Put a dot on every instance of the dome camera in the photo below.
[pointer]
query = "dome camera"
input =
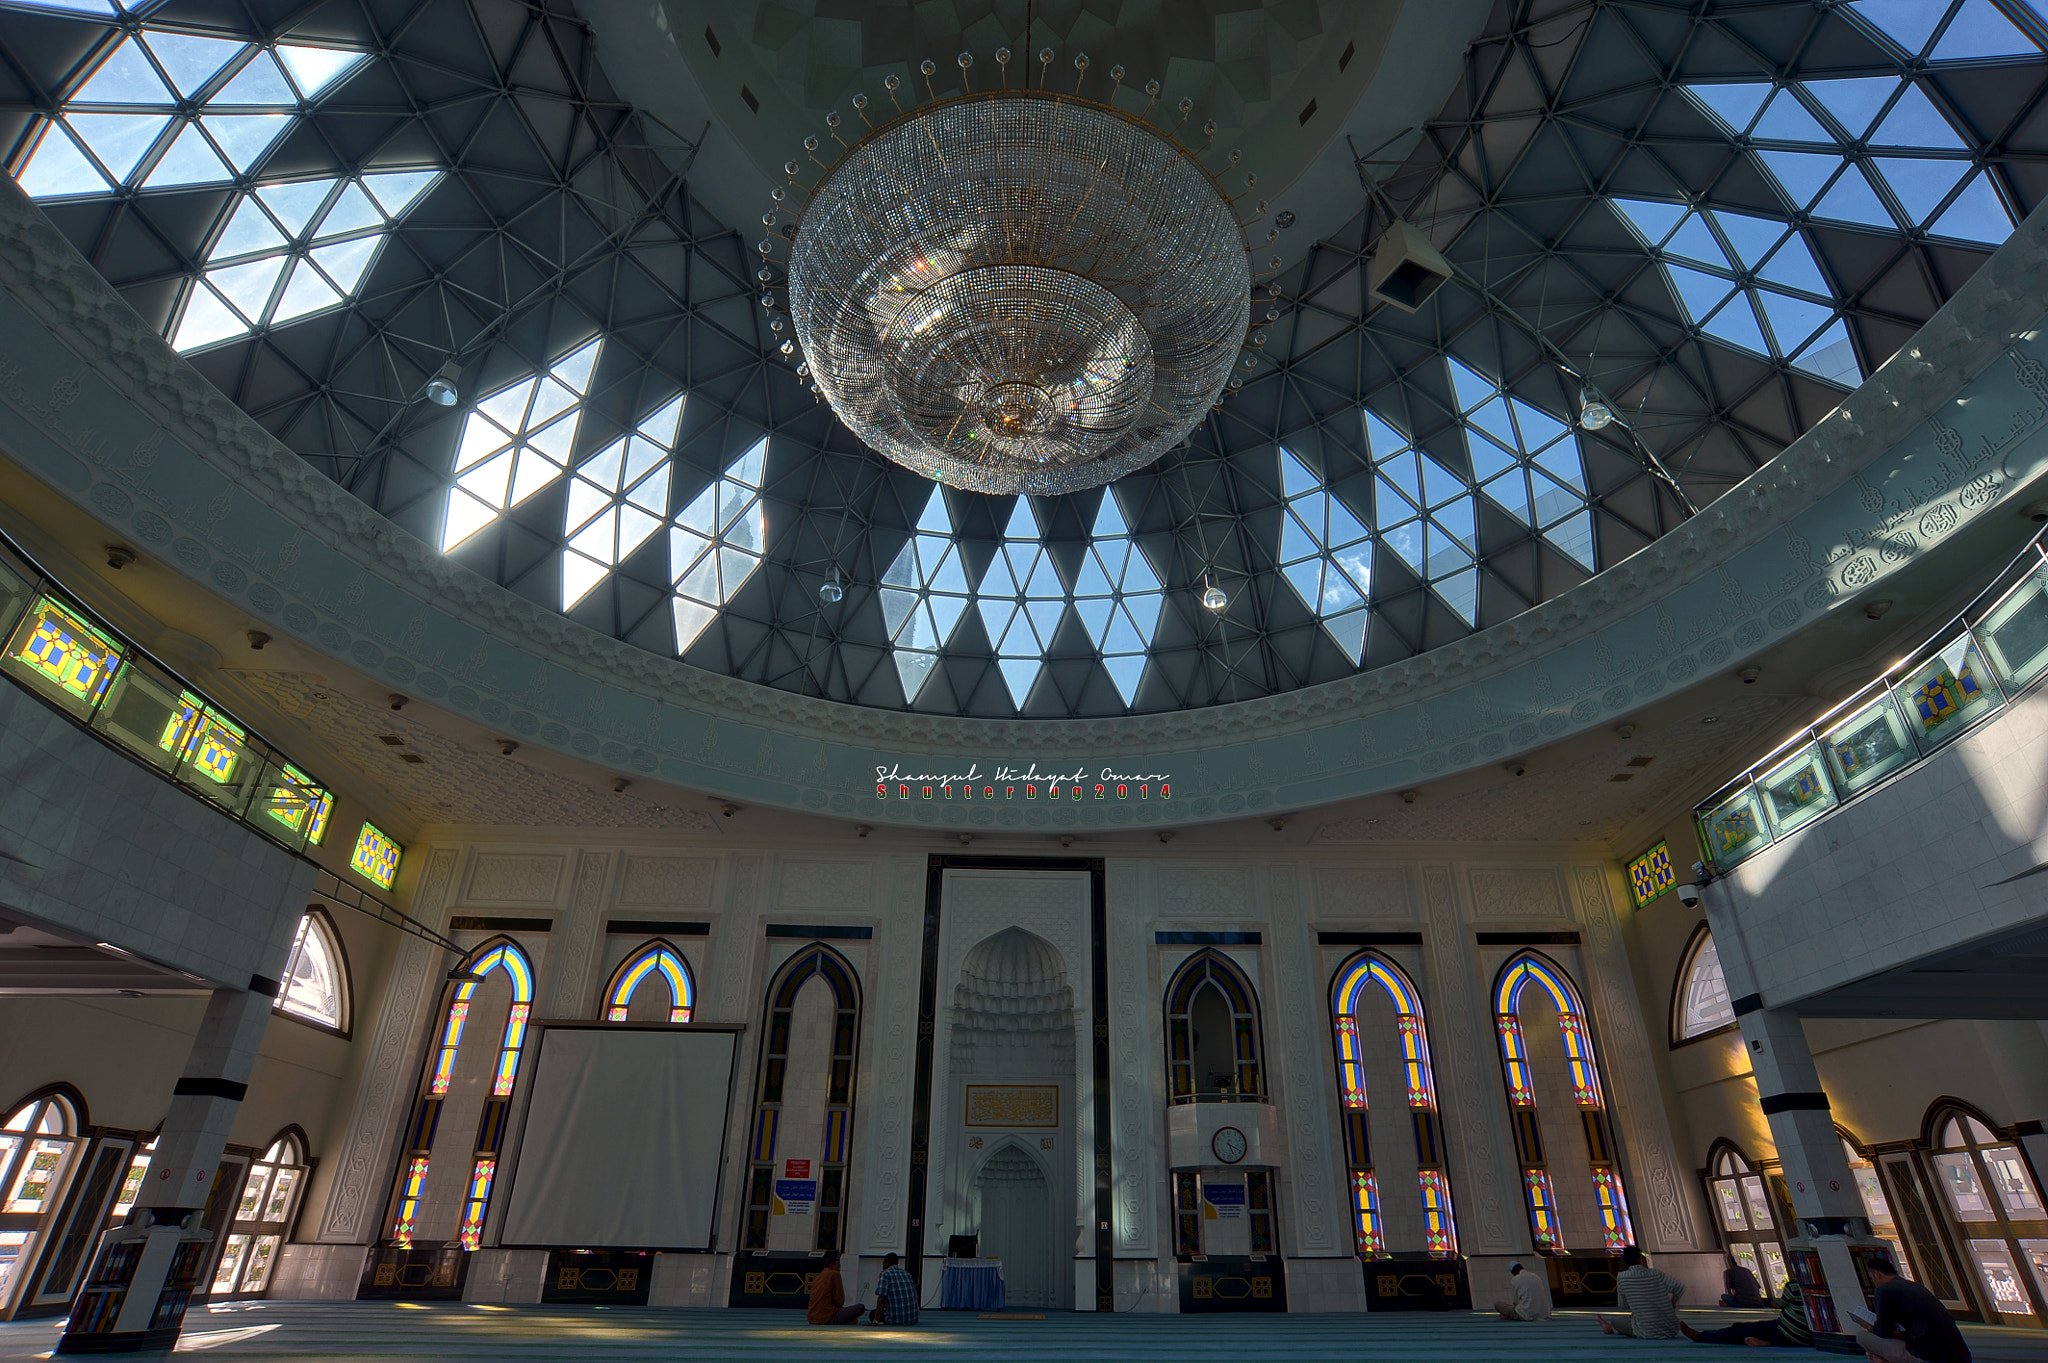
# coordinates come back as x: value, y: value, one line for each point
x: 1689, y: 895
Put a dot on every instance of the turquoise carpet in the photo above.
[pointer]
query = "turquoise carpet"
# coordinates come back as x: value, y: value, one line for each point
x: 381, y: 1330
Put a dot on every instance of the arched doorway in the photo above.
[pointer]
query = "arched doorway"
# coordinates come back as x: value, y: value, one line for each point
x: 1015, y: 1204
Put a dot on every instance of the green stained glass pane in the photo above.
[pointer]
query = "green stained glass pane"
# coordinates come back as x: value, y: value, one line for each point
x: 1797, y: 789
x: 1947, y: 693
x: 1735, y: 828
x: 63, y: 657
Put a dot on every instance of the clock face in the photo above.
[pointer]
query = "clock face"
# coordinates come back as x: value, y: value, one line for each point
x: 1228, y: 1145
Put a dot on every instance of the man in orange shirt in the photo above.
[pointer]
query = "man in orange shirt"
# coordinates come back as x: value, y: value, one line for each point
x: 828, y: 1297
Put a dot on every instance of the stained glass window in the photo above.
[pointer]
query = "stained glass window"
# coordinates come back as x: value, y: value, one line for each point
x: 299, y: 804
x: 37, y: 1145
x: 1651, y: 874
x: 652, y: 961
x: 1021, y: 600
x: 66, y: 658
x: 515, y: 442
x: 1703, y: 1002
x: 314, y: 987
x: 716, y: 542
x: 376, y: 857
x: 617, y: 500
x: 924, y: 594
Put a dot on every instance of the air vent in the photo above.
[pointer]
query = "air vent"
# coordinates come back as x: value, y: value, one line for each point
x: 412, y: 757
x: 711, y: 41
x: 748, y: 96
x: 1641, y: 761
x: 1350, y: 51
x: 1623, y: 776
x: 391, y: 740
x: 1308, y: 113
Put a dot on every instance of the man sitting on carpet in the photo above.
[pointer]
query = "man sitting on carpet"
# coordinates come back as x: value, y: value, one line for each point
x: 828, y: 1297
x: 1530, y: 1299
x: 895, y: 1295
x: 1788, y: 1331
x: 1651, y: 1296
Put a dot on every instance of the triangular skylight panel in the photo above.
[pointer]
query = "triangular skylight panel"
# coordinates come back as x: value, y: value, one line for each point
x: 1735, y: 104
x: 1325, y: 553
x: 1020, y: 600
x: 924, y: 594
x: 498, y: 462
x: 716, y: 542
x: 617, y: 499
x: 1118, y: 598
x: 1978, y: 30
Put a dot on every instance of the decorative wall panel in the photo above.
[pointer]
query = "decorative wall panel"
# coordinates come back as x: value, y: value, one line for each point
x: 668, y: 882
x: 1307, y: 1100
x: 515, y: 877
x: 1489, y: 1205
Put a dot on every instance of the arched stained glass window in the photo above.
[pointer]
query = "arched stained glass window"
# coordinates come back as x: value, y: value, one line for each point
x: 924, y: 594
x: 515, y: 442
x: 1212, y: 1032
x: 617, y: 501
x: 315, y: 987
x: 716, y: 543
x: 1021, y: 600
x: 656, y: 960
x: 417, y: 1164
x: 1366, y: 983
x: 795, y: 1128
x: 1581, y: 1065
x: 1701, y: 1004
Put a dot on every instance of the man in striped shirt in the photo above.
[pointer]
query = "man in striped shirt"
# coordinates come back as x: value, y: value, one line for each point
x: 1788, y: 1331
x: 1651, y: 1296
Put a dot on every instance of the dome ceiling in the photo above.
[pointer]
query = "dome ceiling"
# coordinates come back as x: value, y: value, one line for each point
x: 1715, y: 223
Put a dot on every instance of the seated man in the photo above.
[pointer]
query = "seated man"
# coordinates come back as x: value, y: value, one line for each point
x: 895, y: 1295
x: 1912, y: 1325
x: 828, y: 1296
x: 1788, y: 1331
x: 1742, y: 1287
x: 1651, y: 1296
x: 1530, y: 1299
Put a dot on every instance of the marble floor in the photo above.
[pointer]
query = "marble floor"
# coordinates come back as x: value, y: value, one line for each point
x: 379, y: 1330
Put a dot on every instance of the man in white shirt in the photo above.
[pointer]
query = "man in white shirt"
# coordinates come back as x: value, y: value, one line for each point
x: 1530, y: 1296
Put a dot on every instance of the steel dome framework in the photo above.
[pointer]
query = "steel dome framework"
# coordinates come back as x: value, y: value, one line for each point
x: 1713, y: 220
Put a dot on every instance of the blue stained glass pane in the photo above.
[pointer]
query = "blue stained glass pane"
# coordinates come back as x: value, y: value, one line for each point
x: 1920, y: 185
x: 1801, y: 173
x: 1653, y: 221
x: 1792, y: 319
x: 1384, y: 440
x: 58, y: 167
x: 1854, y: 101
x: 1752, y: 238
x: 1915, y: 122
x: 1701, y: 291
x: 1793, y: 266
x: 1909, y: 23
x: 1295, y: 478
x: 260, y: 82
x: 1787, y: 120
x: 1734, y: 105
x: 191, y: 60
x: 1470, y: 388
x: 1851, y: 199
x: 1695, y: 241
x: 119, y: 140
x: 1981, y: 31
x: 1976, y: 215
x: 1736, y: 324
x: 125, y: 77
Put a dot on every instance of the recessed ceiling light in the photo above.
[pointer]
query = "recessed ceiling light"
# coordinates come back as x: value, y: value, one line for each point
x: 1710, y: 719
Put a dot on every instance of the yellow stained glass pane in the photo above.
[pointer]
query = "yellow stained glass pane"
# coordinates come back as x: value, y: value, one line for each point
x: 57, y: 648
x: 376, y: 857
x: 1651, y: 874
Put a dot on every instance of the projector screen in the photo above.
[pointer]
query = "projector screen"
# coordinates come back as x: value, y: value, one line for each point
x: 624, y: 1137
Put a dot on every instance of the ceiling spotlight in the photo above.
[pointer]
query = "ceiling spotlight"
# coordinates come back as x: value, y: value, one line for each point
x: 1877, y: 610
x: 1409, y: 797
x: 965, y: 838
x: 396, y: 701
x: 1593, y: 413
x: 830, y: 593
x: 619, y: 784
x: 1166, y: 835
x: 1213, y: 596
x: 441, y: 389
x: 862, y: 830
x: 120, y: 556
x: 507, y: 746
x: 728, y: 809
x: 257, y: 638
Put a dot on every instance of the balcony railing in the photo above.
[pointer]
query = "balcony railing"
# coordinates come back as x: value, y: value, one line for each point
x: 1970, y: 670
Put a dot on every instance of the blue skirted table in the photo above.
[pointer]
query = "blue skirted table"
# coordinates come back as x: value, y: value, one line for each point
x: 971, y: 1285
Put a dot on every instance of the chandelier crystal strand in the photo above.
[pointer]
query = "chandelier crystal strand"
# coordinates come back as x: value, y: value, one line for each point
x: 1015, y: 289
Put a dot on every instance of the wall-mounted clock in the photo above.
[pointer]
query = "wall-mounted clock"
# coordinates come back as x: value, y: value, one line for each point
x: 1229, y: 1144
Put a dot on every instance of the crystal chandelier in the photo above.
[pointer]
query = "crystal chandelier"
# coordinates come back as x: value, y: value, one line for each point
x: 1017, y: 289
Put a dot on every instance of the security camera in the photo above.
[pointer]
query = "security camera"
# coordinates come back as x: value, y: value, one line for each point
x: 1689, y: 895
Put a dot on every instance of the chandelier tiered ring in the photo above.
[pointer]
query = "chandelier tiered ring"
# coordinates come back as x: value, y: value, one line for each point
x: 1020, y: 291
